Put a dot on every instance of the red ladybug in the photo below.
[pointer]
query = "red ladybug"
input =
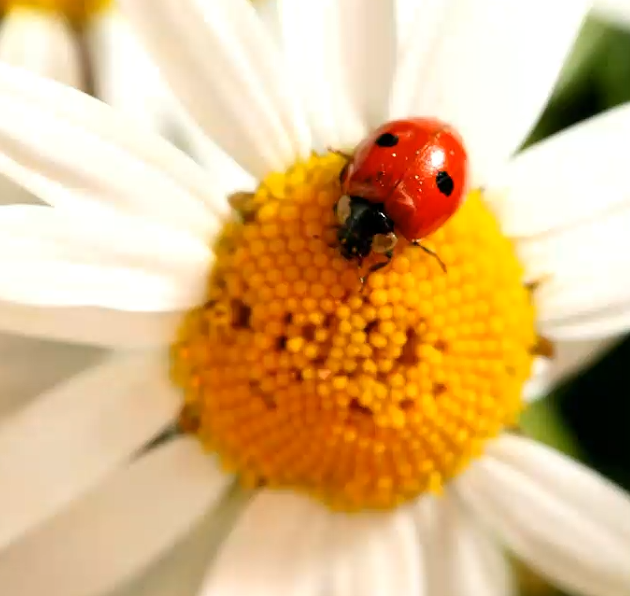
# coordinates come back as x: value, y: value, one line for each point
x: 408, y: 177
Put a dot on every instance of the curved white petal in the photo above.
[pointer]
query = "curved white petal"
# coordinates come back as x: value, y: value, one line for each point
x: 604, y: 325
x: 120, y: 528
x: 406, y: 11
x: 221, y: 63
x: 75, y: 152
x: 42, y: 42
x: 218, y: 165
x: 342, y: 56
x: 181, y: 571
x: 21, y: 381
x: 376, y: 554
x: 123, y: 75
x: 268, y: 13
x: 615, y: 11
x: 461, y: 559
x: 61, y: 258
x: 126, y: 79
x: 50, y: 282
x: 583, y: 267
x: 279, y: 540
x: 91, y: 326
x: 64, y: 443
x: 570, y: 357
x: 565, y: 179
x: 487, y: 67
x: 566, y: 522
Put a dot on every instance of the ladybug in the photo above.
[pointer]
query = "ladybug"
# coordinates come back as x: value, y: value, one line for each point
x: 408, y: 178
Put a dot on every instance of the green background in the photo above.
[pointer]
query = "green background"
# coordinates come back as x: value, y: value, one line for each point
x: 588, y: 416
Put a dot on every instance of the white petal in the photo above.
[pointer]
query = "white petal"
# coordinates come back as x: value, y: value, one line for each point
x: 476, y: 73
x: 342, y: 55
x: 406, y: 12
x: 64, y: 443
x: 60, y: 258
x: 21, y: 381
x: 124, y: 77
x: 570, y: 357
x: 567, y: 178
x: 565, y: 521
x: 579, y: 279
x: 268, y: 12
x: 615, y: 11
x: 42, y: 42
x: 74, y: 151
x: 48, y: 282
x: 229, y: 176
x: 460, y: 558
x: 120, y: 528
x: 606, y: 324
x: 376, y: 554
x: 181, y: 571
x: 91, y: 326
x: 279, y: 541
x: 221, y: 63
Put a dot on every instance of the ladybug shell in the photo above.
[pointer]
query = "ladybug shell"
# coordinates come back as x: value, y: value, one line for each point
x: 400, y: 165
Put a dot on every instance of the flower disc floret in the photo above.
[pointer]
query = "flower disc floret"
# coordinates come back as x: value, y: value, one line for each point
x: 299, y: 377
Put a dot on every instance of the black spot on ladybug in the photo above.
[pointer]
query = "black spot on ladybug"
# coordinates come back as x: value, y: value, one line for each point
x: 379, y: 176
x: 387, y: 139
x: 444, y: 183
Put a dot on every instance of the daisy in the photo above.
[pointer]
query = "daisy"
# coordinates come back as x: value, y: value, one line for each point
x: 341, y: 439
x: 88, y: 45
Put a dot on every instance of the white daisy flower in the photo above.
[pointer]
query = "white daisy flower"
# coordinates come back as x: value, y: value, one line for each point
x: 88, y: 45
x: 370, y: 425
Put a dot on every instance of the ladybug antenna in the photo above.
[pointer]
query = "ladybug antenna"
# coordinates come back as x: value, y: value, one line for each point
x: 430, y: 252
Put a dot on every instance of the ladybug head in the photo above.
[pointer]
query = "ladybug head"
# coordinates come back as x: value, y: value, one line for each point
x: 363, y: 227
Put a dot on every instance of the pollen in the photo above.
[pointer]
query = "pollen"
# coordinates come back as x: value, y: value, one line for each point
x: 365, y: 396
x: 77, y: 12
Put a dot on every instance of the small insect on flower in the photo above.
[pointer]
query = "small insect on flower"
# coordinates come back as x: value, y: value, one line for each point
x: 408, y: 178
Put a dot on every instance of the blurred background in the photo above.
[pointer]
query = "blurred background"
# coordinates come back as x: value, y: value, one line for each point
x: 588, y: 416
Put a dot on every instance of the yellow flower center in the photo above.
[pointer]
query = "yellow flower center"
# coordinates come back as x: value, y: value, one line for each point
x: 366, y: 397
x: 77, y: 12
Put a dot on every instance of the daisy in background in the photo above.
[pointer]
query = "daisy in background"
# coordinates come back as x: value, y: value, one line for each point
x: 89, y: 45
x: 615, y: 11
x: 355, y: 441
x: 85, y: 44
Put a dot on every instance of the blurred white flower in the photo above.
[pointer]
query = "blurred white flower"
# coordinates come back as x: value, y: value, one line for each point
x: 615, y: 11
x: 124, y: 252
x: 88, y: 45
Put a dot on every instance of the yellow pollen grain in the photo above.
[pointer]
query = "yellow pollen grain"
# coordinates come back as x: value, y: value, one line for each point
x: 299, y: 377
x: 77, y: 12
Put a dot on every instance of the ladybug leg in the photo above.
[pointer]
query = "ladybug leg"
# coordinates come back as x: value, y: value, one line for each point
x: 430, y: 252
x: 377, y: 266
